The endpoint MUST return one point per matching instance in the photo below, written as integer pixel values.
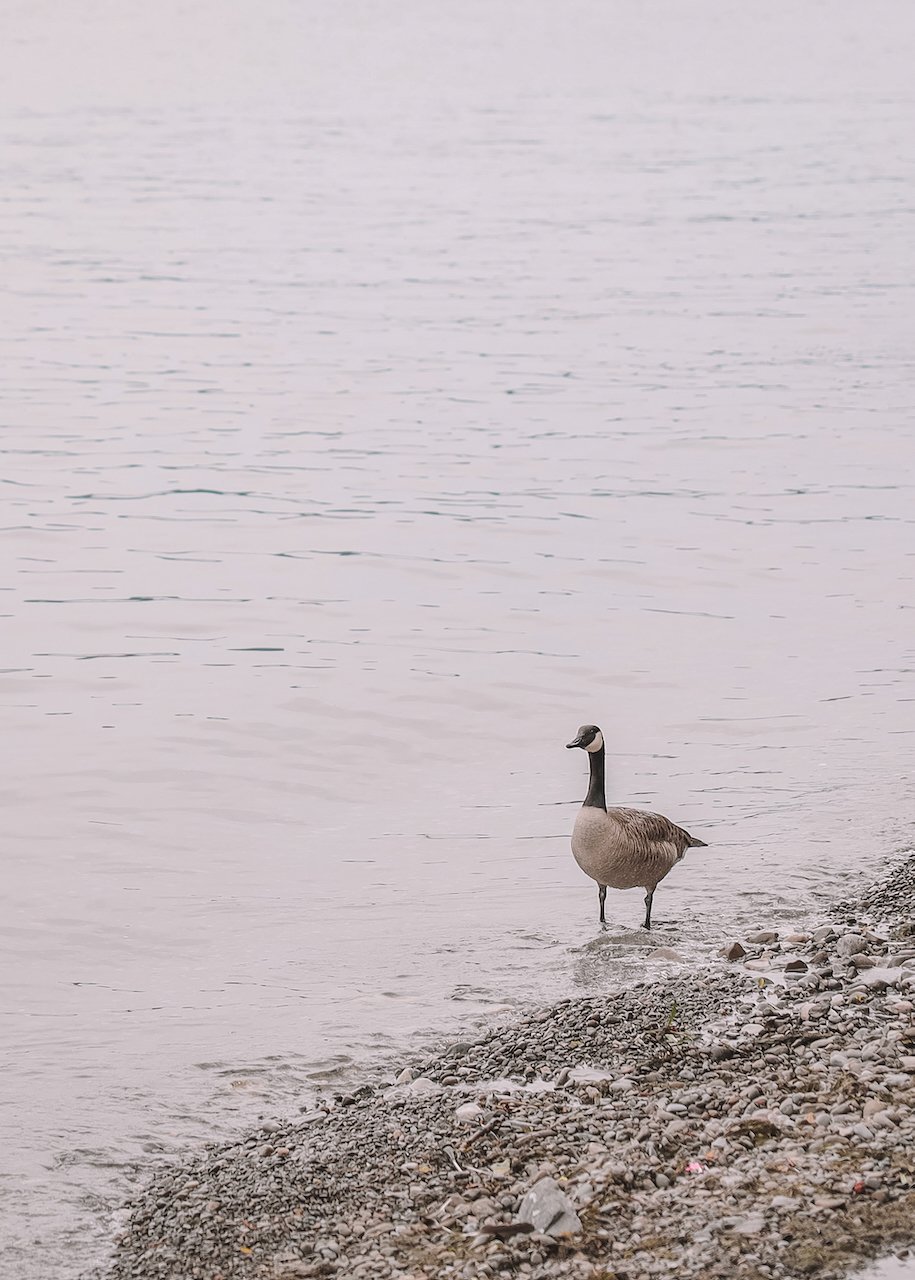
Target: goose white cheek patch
(596, 744)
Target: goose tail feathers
(696, 844)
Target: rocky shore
(753, 1119)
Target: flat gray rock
(751, 1225)
(549, 1210)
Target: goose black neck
(596, 797)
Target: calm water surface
(891, 1269)
(387, 390)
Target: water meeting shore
(755, 1118)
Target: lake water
(891, 1269)
(389, 389)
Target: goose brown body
(627, 848)
(622, 848)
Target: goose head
(589, 738)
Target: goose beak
(576, 743)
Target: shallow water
(387, 393)
(890, 1269)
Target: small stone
(405, 1076)
(549, 1210)
(795, 966)
(733, 951)
(423, 1085)
(829, 1203)
(666, 953)
(851, 944)
(877, 979)
(763, 938)
(751, 1225)
(784, 1202)
(468, 1113)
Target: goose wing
(651, 829)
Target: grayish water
(387, 390)
(891, 1269)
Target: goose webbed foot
(649, 897)
(602, 898)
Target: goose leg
(649, 896)
(602, 898)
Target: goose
(622, 848)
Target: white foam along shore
(756, 1119)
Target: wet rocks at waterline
(756, 1119)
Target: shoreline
(755, 1118)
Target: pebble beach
(752, 1118)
